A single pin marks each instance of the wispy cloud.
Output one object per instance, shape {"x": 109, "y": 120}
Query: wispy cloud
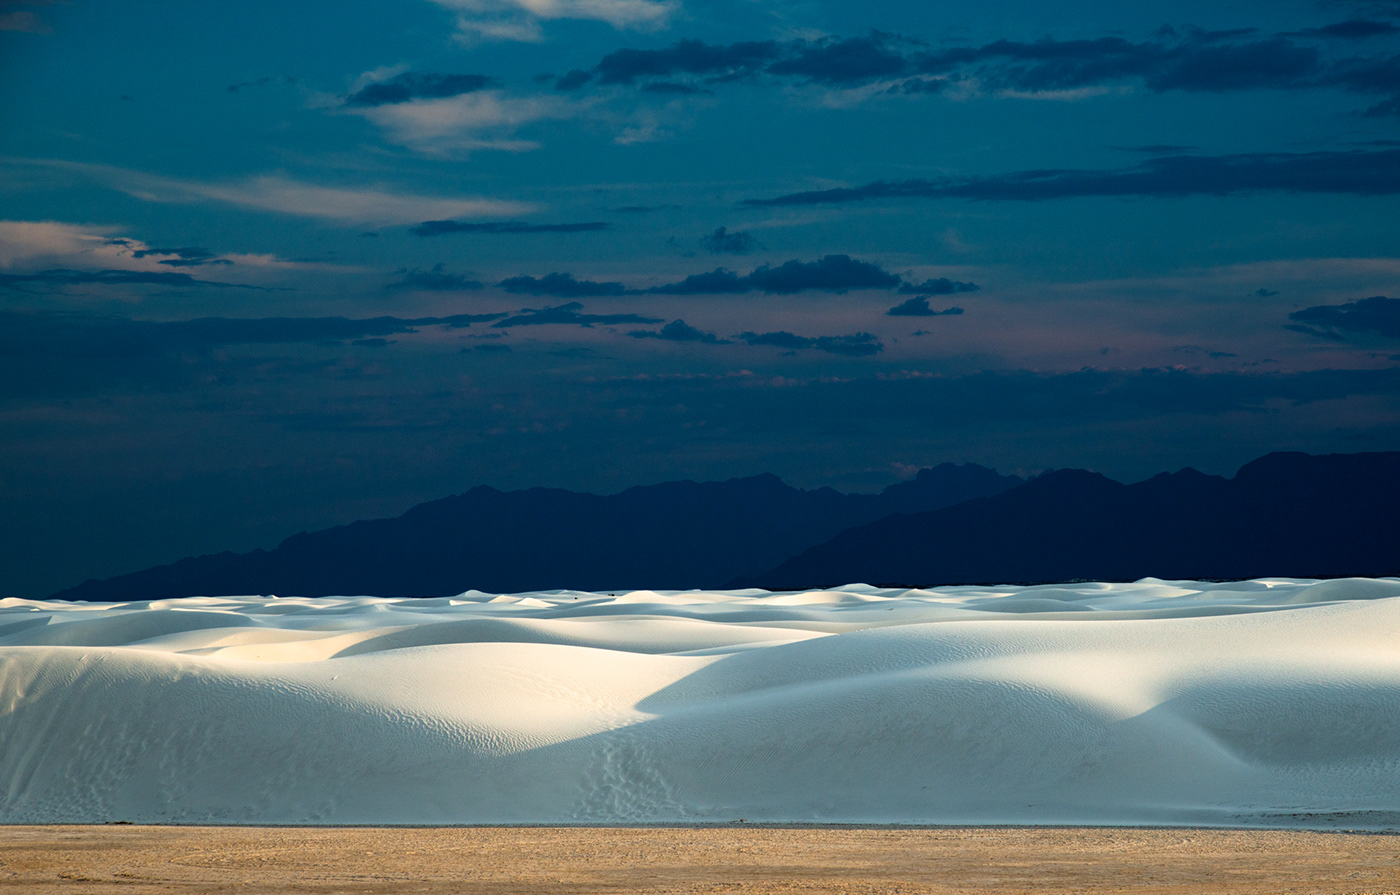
{"x": 479, "y": 20}
{"x": 855, "y": 345}
{"x": 23, "y": 20}
{"x": 570, "y": 314}
{"x": 279, "y": 194}
{"x": 441, "y": 228}
{"x": 483, "y": 119}
{"x": 1362, "y": 173}
{"x": 52, "y": 257}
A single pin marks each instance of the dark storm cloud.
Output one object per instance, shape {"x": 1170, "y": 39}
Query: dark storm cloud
{"x": 918, "y": 307}
{"x": 443, "y": 228}
{"x": 679, "y": 331}
{"x": 569, "y": 315}
{"x": 63, "y": 277}
{"x": 417, "y": 85}
{"x": 689, "y": 57}
{"x": 1376, "y": 314}
{"x": 856, "y": 345}
{"x": 1360, "y": 172}
{"x": 940, "y": 286}
{"x": 832, "y": 273}
{"x": 560, "y": 285}
{"x": 439, "y": 279}
{"x": 722, "y": 242}
{"x": 855, "y": 60}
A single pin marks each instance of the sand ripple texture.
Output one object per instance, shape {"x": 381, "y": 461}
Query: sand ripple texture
{"x": 1267, "y": 702}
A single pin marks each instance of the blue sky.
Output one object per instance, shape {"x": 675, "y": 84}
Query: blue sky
{"x": 266, "y": 270}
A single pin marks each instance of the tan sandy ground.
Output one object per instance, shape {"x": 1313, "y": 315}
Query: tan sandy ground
{"x": 250, "y": 860}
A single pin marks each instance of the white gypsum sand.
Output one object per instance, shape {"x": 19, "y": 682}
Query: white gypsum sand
{"x": 1269, "y": 702}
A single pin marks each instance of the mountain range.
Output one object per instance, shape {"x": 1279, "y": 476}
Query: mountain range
{"x": 675, "y": 535}
{"x": 1285, "y": 514}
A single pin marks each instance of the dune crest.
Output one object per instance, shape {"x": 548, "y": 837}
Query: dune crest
{"x": 1265, "y": 702}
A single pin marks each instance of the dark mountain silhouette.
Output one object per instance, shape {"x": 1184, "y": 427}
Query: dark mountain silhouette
{"x": 1285, "y": 514}
{"x": 675, "y": 535}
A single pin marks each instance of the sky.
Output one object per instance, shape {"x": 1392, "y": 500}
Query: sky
{"x": 271, "y": 267}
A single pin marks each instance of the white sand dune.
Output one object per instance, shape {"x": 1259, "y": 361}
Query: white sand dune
{"x": 1269, "y": 702}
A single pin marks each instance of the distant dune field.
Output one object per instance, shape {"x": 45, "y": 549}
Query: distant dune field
{"x": 1268, "y": 703}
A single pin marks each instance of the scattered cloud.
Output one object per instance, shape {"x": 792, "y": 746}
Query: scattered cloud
{"x": 688, "y": 57}
{"x": 939, "y": 286}
{"x": 560, "y": 285}
{"x": 832, "y": 273}
{"x": 409, "y": 86}
{"x": 441, "y": 228}
{"x": 479, "y": 20}
{"x": 918, "y": 307}
{"x": 722, "y": 242}
{"x": 856, "y": 345}
{"x": 1358, "y": 172}
{"x": 1376, "y": 314}
{"x": 1187, "y": 59}
{"x": 189, "y": 256}
{"x": 679, "y": 331}
{"x": 717, "y": 282}
{"x": 439, "y": 279}
{"x": 569, "y": 315}
{"x": 572, "y": 80}
{"x": 1193, "y": 61}
{"x": 1351, "y": 29}
{"x": 62, "y": 277}
{"x": 843, "y": 63}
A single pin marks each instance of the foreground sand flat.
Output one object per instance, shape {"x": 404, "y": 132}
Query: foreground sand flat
{"x": 251, "y": 860}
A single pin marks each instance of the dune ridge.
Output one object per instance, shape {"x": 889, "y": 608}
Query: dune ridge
{"x": 1267, "y": 702}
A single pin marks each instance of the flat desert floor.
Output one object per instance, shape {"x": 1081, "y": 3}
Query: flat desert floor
{"x": 499, "y": 860}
